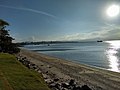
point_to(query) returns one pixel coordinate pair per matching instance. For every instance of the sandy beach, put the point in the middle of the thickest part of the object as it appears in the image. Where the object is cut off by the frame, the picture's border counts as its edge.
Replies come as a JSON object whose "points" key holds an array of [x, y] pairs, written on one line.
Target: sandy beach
{"points": [[95, 78]]}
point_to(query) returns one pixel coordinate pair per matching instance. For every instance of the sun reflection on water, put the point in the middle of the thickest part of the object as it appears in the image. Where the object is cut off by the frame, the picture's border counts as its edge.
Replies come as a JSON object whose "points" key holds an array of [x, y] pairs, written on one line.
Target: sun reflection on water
{"points": [[111, 53]]}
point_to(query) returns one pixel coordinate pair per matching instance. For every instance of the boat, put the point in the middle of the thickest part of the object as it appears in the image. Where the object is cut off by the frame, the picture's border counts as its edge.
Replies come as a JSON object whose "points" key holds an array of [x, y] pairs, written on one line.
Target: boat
{"points": [[99, 41]]}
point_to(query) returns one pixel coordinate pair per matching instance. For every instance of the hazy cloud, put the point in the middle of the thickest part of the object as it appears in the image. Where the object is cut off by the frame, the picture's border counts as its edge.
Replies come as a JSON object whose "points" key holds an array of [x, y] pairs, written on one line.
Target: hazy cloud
{"points": [[104, 33], [30, 10]]}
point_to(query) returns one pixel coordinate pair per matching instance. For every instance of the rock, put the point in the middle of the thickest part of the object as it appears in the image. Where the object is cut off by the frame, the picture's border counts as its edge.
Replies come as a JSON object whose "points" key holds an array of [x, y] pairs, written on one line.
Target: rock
{"points": [[56, 79], [21, 61], [39, 71], [85, 87], [41, 65], [45, 76], [26, 62], [58, 86], [76, 88], [23, 58], [32, 64], [47, 72], [49, 81], [53, 82], [65, 89], [72, 82], [65, 85], [48, 66], [52, 85], [35, 67]]}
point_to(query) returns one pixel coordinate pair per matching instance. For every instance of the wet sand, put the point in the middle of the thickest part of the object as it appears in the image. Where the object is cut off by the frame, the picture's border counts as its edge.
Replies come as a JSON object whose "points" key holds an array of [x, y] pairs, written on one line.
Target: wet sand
{"points": [[95, 78]]}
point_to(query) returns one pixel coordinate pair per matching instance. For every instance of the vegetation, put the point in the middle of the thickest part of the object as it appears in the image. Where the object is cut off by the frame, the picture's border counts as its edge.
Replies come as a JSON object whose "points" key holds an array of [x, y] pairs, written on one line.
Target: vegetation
{"points": [[14, 76], [6, 44], [45, 42]]}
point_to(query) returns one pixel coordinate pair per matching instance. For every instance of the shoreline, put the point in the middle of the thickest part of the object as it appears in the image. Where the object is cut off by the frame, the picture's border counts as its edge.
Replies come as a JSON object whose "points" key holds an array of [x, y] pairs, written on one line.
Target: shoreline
{"points": [[95, 78], [76, 62], [92, 66]]}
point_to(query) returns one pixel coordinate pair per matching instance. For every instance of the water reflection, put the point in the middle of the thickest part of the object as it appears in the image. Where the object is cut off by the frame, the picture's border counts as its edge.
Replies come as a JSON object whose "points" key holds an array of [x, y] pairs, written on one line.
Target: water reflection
{"points": [[111, 53]]}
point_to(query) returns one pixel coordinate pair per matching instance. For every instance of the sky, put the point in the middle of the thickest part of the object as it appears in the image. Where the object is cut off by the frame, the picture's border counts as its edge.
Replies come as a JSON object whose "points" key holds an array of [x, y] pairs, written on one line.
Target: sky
{"points": [[69, 20]]}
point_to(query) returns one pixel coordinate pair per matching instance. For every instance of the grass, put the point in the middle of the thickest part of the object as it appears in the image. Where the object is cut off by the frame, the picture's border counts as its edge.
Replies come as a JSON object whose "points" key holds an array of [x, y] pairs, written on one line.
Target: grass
{"points": [[15, 76]]}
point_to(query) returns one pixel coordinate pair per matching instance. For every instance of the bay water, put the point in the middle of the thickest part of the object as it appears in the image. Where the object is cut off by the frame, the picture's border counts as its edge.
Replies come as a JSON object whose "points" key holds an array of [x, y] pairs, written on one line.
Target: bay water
{"points": [[105, 54]]}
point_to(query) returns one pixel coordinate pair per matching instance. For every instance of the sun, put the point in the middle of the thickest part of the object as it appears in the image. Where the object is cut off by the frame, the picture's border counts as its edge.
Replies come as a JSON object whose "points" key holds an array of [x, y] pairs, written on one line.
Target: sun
{"points": [[113, 10]]}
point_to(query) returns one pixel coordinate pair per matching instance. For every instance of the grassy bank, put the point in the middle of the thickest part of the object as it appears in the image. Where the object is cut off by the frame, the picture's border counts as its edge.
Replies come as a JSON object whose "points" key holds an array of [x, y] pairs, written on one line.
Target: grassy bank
{"points": [[15, 76]]}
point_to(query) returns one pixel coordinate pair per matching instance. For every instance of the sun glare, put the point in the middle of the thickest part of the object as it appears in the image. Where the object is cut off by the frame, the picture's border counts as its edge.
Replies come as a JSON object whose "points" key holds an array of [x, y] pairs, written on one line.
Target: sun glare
{"points": [[113, 10], [111, 53]]}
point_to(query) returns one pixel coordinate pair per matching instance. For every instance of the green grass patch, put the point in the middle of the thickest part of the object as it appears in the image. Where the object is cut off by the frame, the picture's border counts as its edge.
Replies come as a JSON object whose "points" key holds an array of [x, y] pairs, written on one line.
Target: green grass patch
{"points": [[17, 76]]}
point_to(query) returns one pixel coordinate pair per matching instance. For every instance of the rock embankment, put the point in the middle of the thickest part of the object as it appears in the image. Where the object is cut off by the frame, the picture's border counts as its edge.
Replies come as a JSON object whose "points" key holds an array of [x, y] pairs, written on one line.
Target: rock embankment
{"points": [[54, 83]]}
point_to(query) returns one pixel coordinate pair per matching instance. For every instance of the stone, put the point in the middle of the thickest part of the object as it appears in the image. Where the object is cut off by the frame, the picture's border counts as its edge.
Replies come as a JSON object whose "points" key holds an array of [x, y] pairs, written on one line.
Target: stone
{"points": [[48, 66], [58, 86], [49, 81], [77, 88], [72, 82], [47, 72], [65, 85], [41, 65], [65, 89], [52, 85], [85, 87], [39, 71], [56, 79], [45, 76]]}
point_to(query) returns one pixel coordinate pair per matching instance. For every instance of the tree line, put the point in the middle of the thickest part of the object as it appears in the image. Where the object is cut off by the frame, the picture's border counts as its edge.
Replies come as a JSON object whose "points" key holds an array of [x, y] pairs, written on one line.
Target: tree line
{"points": [[6, 44]]}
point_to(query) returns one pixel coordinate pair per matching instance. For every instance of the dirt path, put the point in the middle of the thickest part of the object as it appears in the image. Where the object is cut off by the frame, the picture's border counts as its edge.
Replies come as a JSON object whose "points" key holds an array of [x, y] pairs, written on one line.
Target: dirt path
{"points": [[96, 79]]}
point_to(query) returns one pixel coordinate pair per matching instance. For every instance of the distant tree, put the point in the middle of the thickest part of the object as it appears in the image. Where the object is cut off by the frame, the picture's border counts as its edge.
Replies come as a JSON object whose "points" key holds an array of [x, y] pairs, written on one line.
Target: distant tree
{"points": [[6, 44]]}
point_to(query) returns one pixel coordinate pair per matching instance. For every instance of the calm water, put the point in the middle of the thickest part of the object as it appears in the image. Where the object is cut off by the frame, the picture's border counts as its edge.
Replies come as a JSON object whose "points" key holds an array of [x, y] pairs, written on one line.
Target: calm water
{"points": [[101, 54]]}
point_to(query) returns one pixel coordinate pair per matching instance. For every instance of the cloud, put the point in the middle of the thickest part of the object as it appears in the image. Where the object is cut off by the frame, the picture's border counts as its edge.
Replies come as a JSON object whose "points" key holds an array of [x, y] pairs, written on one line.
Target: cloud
{"points": [[30, 10], [109, 32], [29, 39]]}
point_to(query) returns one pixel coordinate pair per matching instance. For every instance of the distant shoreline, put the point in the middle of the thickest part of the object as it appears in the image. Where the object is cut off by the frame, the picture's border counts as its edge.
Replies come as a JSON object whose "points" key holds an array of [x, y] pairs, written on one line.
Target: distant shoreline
{"points": [[95, 78]]}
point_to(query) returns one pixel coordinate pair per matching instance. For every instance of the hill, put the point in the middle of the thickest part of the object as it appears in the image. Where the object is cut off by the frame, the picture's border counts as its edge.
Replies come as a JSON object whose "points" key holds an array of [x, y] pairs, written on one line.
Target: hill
{"points": [[15, 76]]}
